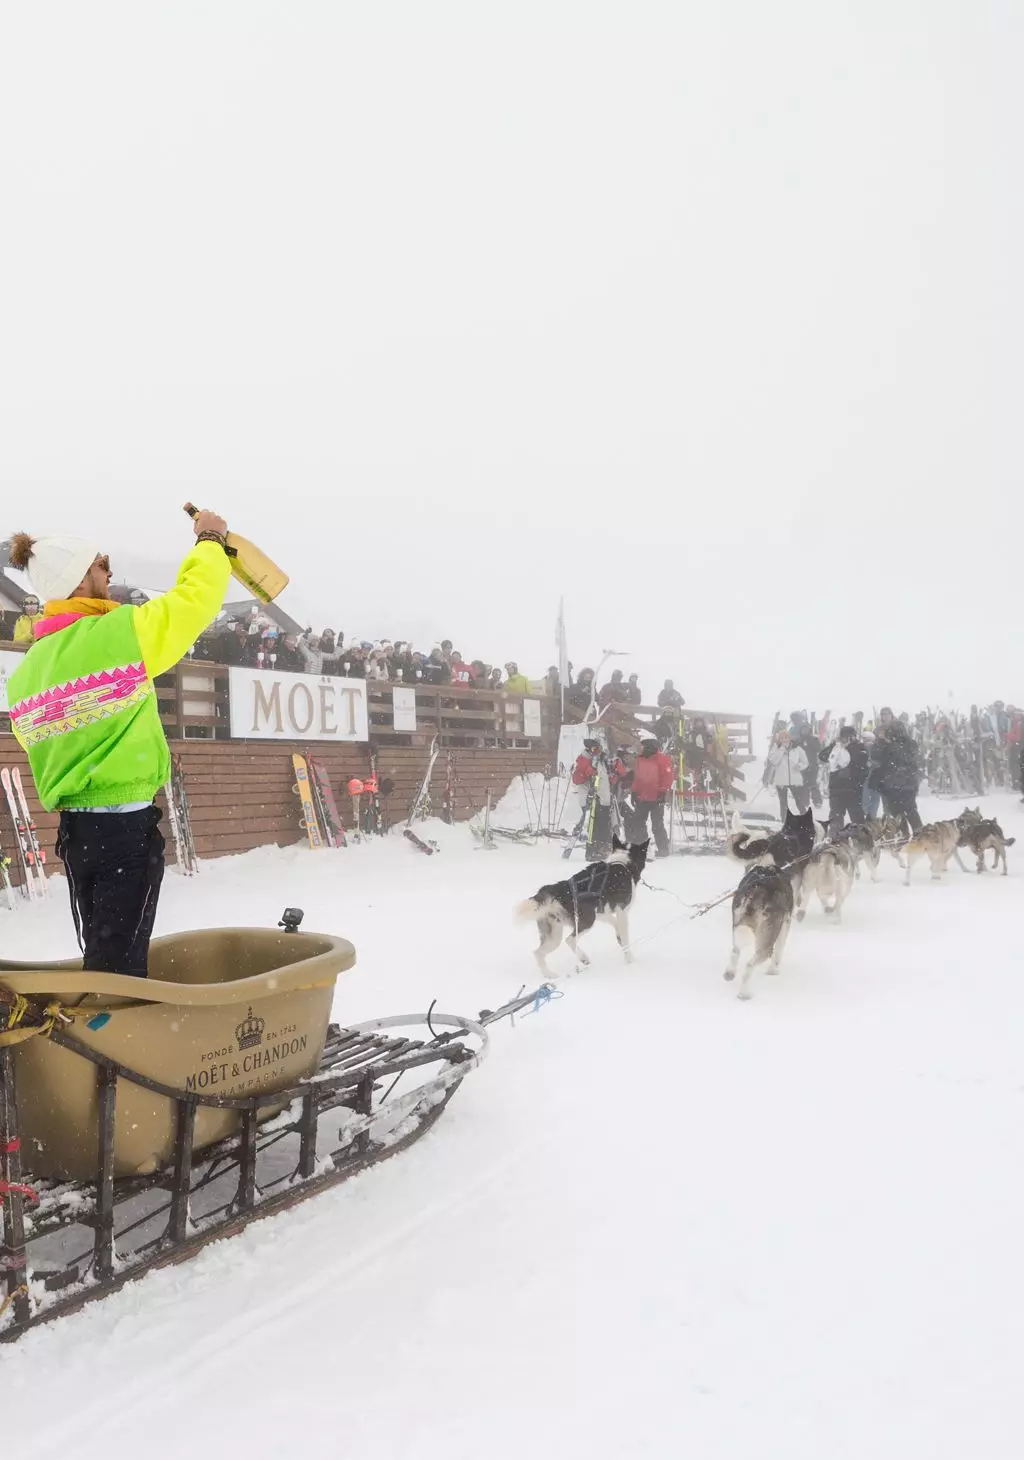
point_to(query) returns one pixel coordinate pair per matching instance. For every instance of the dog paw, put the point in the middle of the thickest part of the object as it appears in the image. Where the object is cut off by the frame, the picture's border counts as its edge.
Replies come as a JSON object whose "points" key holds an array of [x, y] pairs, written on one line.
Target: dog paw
{"points": [[730, 974], [744, 994]]}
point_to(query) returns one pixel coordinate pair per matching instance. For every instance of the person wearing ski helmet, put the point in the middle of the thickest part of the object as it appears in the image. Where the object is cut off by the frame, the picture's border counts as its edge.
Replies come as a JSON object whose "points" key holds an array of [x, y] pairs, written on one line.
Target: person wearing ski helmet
{"points": [[653, 778], [597, 777], [84, 708]]}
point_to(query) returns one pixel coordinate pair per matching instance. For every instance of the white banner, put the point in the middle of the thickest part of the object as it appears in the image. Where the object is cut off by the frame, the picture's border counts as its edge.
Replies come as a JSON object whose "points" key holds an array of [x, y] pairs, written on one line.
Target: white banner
{"points": [[266, 705], [9, 662], [531, 719], [404, 709]]}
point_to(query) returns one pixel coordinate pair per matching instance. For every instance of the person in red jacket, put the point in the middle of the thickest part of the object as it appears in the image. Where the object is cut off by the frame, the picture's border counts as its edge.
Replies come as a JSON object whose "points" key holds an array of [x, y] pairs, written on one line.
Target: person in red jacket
{"points": [[653, 777], [597, 776]]}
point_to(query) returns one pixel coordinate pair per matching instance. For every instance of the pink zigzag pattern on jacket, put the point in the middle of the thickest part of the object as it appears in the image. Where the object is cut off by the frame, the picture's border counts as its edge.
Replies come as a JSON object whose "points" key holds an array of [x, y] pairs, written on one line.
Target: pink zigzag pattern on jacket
{"points": [[101, 692]]}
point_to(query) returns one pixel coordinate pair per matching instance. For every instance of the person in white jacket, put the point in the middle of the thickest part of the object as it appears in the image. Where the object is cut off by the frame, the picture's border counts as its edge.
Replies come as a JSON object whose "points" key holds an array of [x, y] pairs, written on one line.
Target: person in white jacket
{"points": [[787, 770]]}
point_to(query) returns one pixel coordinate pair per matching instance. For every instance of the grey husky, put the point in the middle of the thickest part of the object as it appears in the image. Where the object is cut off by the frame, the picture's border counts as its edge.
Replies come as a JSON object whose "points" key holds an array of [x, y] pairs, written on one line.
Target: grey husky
{"points": [[829, 871], [982, 836], [762, 911]]}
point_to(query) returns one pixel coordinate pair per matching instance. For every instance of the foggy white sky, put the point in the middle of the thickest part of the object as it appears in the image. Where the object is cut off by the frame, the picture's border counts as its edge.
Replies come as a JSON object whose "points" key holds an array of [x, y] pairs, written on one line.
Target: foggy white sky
{"points": [[707, 316]]}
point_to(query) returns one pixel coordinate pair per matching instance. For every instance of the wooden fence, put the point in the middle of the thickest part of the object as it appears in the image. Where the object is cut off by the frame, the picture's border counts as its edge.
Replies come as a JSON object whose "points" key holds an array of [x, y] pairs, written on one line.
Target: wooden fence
{"points": [[194, 705], [241, 792]]}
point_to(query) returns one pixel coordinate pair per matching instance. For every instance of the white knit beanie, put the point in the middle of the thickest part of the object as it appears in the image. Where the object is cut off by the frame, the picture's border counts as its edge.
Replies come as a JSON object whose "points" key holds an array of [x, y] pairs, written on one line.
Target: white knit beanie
{"points": [[58, 564]]}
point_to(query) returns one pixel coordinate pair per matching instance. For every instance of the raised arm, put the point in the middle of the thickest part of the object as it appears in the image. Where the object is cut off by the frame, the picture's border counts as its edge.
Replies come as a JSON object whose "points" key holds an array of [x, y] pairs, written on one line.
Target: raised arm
{"points": [[168, 626]]}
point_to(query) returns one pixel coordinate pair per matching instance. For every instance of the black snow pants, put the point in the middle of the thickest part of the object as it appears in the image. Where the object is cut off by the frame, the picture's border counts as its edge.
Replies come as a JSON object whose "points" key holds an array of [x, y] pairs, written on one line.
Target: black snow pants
{"points": [[902, 805], [114, 862], [843, 802], [636, 824]]}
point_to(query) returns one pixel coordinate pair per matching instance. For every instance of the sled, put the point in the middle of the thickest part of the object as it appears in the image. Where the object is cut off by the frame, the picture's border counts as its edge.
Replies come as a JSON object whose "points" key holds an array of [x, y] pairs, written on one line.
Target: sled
{"points": [[143, 1118]]}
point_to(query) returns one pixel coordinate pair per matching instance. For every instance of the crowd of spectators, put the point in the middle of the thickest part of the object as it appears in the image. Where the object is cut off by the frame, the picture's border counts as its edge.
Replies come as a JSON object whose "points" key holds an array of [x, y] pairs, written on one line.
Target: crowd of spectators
{"points": [[258, 644], [881, 762]]}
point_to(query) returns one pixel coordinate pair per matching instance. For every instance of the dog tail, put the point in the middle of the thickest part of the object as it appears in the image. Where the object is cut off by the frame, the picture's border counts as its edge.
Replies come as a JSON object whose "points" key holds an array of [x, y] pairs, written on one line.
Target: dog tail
{"points": [[742, 848], [526, 911], [1009, 841]]}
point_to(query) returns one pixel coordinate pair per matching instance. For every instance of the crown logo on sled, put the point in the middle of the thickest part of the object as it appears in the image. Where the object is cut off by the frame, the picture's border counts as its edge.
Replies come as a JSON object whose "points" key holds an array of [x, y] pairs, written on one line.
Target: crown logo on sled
{"points": [[250, 1031]]}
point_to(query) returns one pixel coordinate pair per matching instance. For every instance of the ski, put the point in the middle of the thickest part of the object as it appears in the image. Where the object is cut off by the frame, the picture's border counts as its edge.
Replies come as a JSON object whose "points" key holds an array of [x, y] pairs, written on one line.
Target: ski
{"points": [[420, 844], [38, 854], [420, 808], [180, 821], [355, 791], [371, 787], [172, 817], [326, 830], [184, 815], [582, 825], [28, 884], [379, 789], [322, 784], [308, 820], [179, 817], [448, 811]]}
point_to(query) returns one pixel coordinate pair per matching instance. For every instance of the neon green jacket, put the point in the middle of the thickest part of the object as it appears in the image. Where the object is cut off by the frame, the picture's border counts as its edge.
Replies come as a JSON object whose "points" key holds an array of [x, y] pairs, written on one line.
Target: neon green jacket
{"points": [[517, 684], [83, 703]]}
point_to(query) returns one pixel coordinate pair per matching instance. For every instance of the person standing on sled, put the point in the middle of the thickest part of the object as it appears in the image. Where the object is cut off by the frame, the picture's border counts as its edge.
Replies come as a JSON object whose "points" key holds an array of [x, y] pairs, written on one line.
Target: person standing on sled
{"points": [[653, 778], [84, 708]]}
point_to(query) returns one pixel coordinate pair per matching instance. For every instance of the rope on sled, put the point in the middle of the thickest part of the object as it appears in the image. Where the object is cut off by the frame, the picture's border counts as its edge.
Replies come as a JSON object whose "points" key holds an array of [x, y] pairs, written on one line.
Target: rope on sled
{"points": [[48, 1015], [5, 1303], [544, 995]]}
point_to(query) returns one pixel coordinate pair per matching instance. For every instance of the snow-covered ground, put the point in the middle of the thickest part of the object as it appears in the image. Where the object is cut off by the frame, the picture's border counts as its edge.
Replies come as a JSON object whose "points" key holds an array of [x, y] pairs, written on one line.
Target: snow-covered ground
{"points": [[657, 1222]]}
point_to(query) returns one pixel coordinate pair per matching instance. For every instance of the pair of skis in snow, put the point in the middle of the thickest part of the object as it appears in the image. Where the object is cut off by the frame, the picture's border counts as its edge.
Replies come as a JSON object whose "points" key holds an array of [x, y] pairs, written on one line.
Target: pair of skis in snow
{"points": [[319, 818], [420, 807], [31, 855], [179, 816]]}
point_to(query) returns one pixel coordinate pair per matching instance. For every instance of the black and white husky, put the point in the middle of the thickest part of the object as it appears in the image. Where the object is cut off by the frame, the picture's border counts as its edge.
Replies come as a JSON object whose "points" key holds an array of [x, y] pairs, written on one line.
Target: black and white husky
{"points": [[762, 911], [772, 849], [603, 890]]}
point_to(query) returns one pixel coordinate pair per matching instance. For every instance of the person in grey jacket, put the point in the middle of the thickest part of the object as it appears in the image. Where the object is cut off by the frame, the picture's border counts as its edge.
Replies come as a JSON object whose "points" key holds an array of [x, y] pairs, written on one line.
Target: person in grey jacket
{"points": [[314, 657], [787, 769]]}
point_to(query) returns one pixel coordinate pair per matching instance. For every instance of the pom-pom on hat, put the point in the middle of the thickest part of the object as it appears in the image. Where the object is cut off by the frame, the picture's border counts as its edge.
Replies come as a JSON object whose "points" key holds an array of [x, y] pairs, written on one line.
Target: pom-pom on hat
{"points": [[55, 565]]}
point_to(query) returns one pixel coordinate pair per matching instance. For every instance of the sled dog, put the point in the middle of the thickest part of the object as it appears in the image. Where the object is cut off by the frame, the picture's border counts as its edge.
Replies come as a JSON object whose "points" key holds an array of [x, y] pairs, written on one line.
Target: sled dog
{"points": [[859, 840], [938, 842], [604, 891], [889, 832], [829, 871], [778, 849], [980, 836], [762, 911]]}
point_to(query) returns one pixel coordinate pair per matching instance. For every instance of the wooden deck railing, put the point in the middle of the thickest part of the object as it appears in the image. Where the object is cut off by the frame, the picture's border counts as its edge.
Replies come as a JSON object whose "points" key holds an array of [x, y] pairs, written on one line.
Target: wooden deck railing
{"points": [[194, 705]]}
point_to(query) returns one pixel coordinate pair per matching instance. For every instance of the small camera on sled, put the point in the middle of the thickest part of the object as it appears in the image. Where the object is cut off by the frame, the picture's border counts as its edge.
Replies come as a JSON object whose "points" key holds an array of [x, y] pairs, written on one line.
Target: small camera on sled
{"points": [[291, 919]]}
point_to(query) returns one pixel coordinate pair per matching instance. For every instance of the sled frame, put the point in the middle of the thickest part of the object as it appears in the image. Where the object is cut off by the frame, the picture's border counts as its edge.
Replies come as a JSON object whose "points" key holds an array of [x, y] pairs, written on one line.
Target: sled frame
{"points": [[355, 1064]]}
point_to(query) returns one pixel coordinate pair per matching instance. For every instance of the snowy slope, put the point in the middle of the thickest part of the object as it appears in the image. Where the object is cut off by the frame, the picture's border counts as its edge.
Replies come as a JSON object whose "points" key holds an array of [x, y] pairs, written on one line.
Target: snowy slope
{"points": [[657, 1222]]}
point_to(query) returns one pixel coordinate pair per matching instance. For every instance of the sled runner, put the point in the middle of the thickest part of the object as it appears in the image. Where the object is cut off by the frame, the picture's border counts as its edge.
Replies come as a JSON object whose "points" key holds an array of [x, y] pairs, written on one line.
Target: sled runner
{"points": [[142, 1118]]}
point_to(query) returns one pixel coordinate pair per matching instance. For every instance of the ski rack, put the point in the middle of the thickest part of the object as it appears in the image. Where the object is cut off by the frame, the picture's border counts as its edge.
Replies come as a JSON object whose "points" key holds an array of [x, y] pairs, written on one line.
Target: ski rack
{"points": [[699, 816], [50, 1267]]}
